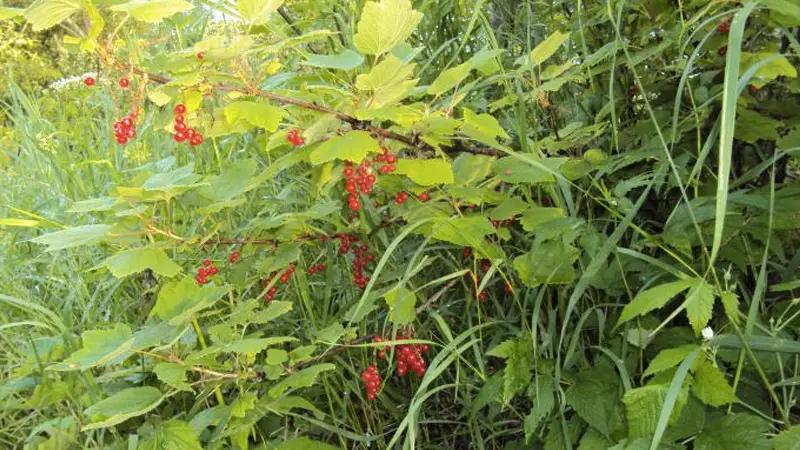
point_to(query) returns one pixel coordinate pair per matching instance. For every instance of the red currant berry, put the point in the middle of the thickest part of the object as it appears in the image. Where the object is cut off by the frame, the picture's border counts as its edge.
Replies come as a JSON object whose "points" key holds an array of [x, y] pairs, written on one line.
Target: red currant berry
{"points": [[179, 137], [424, 197], [180, 119], [753, 89], [234, 257], [122, 139], [181, 127], [127, 122], [213, 270], [124, 82], [89, 81], [180, 108], [206, 262], [196, 140], [130, 133], [201, 55], [722, 50]]}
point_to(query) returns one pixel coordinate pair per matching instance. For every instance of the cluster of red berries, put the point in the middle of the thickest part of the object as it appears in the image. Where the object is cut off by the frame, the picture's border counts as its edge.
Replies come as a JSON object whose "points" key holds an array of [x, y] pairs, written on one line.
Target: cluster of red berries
{"points": [[125, 129], [358, 179], [89, 81], [409, 358], [182, 130], [360, 261], [401, 198], [294, 138], [316, 268], [372, 381], [284, 278], [505, 223], [234, 257], [208, 269], [388, 159]]}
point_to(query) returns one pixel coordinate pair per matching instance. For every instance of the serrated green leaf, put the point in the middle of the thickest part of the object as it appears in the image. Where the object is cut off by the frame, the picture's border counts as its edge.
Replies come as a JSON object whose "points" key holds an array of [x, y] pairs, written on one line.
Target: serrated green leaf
{"points": [[544, 50], [331, 334], [699, 305], [549, 262], [135, 260], [44, 14], [752, 126], [345, 60], [178, 301], [734, 432], [74, 237], [99, 347], [463, 231], [277, 356], [233, 181], [483, 128], [257, 114], [669, 358], [470, 169], [172, 374], [450, 78], [389, 82], [284, 256], [508, 209], [153, 11], [401, 303], [273, 311], [385, 24], [643, 407], [518, 354], [543, 398], [253, 346], [353, 146], [301, 378], [654, 298], [122, 406], [92, 205], [172, 435], [534, 217], [595, 396], [789, 439], [711, 387], [486, 61], [426, 172], [258, 11]]}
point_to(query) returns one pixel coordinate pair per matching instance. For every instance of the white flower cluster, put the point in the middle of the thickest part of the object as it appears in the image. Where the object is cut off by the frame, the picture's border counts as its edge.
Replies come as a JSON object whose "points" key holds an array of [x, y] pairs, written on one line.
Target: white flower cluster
{"points": [[68, 81]]}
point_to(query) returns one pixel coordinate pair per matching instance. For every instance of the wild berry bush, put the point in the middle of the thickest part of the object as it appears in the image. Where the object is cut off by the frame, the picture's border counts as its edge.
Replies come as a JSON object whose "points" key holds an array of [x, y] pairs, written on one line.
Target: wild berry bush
{"points": [[261, 224]]}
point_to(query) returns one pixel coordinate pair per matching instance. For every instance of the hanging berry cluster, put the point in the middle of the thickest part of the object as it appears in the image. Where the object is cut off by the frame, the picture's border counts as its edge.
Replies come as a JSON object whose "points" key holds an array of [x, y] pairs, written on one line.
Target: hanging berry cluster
{"points": [[361, 258], [183, 132], [316, 268], [388, 160], [361, 178], [401, 198], [409, 357], [283, 279], [208, 269], [125, 129], [372, 381], [294, 138]]}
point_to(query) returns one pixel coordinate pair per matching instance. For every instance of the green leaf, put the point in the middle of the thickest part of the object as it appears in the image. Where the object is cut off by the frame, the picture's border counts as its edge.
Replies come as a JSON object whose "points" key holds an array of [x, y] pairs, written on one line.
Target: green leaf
{"points": [[734, 432], [512, 170], [470, 169], [73, 237], [543, 398], [550, 262], [252, 346], [172, 435], [401, 303], [44, 14], [643, 407], [426, 172], [172, 374], [483, 128], [284, 256], [257, 11], [122, 406], [99, 347], [534, 217], [389, 82], [789, 439], [385, 24], [730, 303], [257, 114], [331, 334], [486, 61], [153, 11], [544, 50], [508, 209], [517, 373], [179, 301], [450, 78], [752, 126], [711, 387], [273, 311], [233, 181], [353, 146], [463, 231], [777, 66], [135, 260], [699, 305], [595, 396], [301, 378], [669, 358], [346, 60], [243, 403], [654, 298], [92, 205], [9, 13], [304, 443]]}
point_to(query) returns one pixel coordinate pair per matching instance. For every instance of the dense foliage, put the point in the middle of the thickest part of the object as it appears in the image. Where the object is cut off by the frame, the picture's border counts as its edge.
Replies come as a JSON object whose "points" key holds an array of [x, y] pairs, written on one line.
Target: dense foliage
{"points": [[440, 224]]}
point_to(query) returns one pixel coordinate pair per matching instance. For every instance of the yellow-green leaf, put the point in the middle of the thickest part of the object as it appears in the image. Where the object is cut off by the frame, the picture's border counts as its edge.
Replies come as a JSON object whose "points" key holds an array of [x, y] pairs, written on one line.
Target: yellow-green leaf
{"points": [[122, 406], [654, 298], [257, 114], [353, 146], [44, 14], [711, 387], [426, 172], [385, 24], [257, 11], [544, 50], [135, 260], [450, 78], [401, 303], [153, 11]]}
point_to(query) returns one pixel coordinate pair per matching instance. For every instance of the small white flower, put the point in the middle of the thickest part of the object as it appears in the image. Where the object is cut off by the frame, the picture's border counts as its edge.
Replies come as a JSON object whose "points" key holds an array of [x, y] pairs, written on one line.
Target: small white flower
{"points": [[708, 333]]}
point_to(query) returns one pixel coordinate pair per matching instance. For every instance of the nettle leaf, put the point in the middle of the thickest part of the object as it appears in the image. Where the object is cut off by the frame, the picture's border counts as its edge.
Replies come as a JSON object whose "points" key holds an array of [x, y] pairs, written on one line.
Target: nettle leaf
{"points": [[135, 260], [471, 169], [544, 50], [401, 303], [233, 181], [353, 146], [710, 385], [122, 406], [301, 378], [734, 432], [385, 24], [44, 14], [257, 114], [483, 128], [74, 237], [258, 11], [426, 172], [304, 443], [178, 301], [699, 305], [346, 60], [595, 396], [669, 358], [174, 434], [463, 231], [99, 347], [535, 217], [654, 298], [153, 11], [389, 82], [450, 78]]}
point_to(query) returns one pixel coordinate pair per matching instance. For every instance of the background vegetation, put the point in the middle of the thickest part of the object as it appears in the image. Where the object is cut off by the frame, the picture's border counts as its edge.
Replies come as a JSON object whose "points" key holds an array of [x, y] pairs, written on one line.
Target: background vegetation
{"points": [[597, 248]]}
